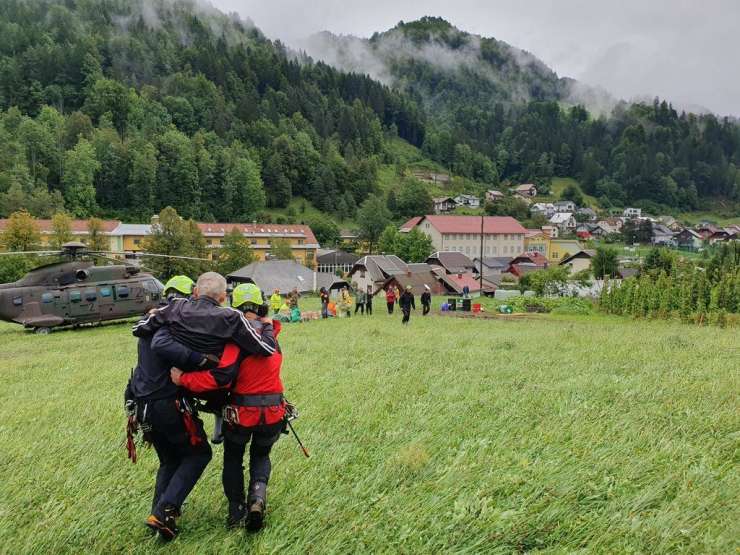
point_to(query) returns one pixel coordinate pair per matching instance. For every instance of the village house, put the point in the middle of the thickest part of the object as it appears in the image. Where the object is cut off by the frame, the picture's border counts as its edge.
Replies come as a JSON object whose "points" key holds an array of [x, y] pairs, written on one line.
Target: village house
{"points": [[551, 231], [523, 198], [276, 274], [131, 238], [374, 270], [492, 195], [469, 201], [719, 236], [442, 205], [526, 190], [562, 248], [579, 261], [452, 262], [335, 260], [493, 266], [689, 239], [588, 213], [564, 206], [632, 213], [546, 209], [526, 263], [456, 284], [611, 225], [502, 235], [662, 235], [537, 240], [564, 221]]}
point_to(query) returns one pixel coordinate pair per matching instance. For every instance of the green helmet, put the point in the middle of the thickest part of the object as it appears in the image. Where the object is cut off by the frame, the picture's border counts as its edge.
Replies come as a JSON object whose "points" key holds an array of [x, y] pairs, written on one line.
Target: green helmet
{"points": [[179, 284], [246, 293]]}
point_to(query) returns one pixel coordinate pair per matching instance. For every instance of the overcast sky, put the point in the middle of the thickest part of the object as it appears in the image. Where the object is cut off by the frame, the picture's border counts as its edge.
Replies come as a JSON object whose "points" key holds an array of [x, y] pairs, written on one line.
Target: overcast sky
{"points": [[684, 50]]}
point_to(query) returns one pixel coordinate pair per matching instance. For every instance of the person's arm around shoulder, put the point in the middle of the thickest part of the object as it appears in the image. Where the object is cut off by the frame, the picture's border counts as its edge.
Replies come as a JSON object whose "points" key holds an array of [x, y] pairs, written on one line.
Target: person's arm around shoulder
{"points": [[167, 347], [220, 377], [243, 334]]}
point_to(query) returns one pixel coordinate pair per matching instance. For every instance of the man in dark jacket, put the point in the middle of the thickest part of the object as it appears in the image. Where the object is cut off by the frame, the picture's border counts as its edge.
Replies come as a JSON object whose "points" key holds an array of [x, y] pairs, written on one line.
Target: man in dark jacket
{"points": [[203, 325], [406, 302], [426, 301]]}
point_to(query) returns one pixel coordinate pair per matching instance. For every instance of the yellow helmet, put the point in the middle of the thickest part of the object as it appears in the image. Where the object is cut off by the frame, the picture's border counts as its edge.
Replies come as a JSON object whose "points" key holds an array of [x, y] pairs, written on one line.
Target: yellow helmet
{"points": [[180, 284], [246, 293]]}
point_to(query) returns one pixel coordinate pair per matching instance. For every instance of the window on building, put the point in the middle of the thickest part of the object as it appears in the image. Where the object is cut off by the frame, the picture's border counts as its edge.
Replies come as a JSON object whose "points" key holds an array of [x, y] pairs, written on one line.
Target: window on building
{"points": [[209, 242], [493, 251], [467, 250], [137, 241]]}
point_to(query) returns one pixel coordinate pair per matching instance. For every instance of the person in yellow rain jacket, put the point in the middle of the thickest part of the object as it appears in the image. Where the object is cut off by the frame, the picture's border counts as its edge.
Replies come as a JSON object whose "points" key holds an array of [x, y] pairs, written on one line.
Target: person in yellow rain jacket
{"points": [[276, 301]]}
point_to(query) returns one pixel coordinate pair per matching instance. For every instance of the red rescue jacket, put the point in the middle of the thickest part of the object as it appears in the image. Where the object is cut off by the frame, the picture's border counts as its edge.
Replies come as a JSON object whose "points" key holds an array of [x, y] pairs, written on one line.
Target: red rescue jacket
{"points": [[244, 375]]}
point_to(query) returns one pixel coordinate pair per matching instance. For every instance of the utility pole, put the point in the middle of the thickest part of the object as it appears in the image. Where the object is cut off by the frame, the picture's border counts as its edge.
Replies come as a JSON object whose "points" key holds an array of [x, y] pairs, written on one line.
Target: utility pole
{"points": [[480, 274]]}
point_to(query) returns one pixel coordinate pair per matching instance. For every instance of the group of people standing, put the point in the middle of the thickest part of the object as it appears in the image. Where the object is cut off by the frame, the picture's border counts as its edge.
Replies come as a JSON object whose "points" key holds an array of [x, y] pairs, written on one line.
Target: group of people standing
{"points": [[406, 301]]}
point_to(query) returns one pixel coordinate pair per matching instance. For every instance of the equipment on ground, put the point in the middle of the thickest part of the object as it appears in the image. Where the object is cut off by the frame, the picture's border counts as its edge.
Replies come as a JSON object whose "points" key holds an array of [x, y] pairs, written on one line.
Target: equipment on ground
{"points": [[76, 291]]}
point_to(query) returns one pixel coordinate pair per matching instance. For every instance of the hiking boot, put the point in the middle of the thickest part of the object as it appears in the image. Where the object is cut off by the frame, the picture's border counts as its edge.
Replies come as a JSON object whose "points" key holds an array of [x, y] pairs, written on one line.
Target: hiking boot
{"points": [[237, 512], [256, 506], [165, 524]]}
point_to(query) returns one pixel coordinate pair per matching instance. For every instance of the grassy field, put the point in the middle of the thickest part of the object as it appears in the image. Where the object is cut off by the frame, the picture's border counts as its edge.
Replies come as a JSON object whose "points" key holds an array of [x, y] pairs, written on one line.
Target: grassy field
{"points": [[553, 434]]}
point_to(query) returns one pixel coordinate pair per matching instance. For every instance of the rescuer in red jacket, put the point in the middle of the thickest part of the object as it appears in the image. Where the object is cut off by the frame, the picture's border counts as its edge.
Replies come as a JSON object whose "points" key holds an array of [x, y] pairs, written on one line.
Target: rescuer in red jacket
{"points": [[255, 411]]}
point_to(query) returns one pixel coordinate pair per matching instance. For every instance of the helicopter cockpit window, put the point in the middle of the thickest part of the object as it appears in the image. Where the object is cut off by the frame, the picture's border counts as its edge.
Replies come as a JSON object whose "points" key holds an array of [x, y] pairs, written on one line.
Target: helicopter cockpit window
{"points": [[152, 289], [105, 292], [122, 291], [75, 296], [17, 301], [47, 298], [90, 295]]}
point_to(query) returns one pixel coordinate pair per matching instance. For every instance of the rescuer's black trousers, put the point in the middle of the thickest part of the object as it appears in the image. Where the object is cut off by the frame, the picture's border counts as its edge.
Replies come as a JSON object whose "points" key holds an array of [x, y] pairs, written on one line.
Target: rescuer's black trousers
{"points": [[425, 309], [390, 307], [360, 307], [235, 444], [406, 315], [180, 462], [368, 308]]}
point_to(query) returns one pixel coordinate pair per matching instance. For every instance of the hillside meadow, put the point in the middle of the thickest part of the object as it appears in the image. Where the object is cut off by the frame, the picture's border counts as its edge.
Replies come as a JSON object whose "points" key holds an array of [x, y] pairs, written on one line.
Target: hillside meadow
{"points": [[554, 434]]}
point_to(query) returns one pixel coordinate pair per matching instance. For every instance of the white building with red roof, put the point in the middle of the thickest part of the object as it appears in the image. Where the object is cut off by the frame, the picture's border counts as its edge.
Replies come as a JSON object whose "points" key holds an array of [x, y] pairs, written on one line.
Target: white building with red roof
{"points": [[502, 235]]}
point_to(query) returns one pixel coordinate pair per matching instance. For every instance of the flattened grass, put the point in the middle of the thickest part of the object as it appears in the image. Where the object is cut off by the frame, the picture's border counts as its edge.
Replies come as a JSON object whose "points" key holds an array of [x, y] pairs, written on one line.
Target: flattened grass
{"points": [[557, 434]]}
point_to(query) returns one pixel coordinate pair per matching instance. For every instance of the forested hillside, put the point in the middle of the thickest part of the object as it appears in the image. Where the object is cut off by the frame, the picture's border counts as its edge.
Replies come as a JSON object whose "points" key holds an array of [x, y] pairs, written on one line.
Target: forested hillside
{"points": [[121, 107], [497, 112]]}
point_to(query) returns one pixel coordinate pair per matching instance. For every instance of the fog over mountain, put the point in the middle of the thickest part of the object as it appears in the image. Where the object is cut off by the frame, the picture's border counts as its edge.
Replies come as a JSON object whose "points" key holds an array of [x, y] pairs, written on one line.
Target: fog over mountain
{"points": [[680, 50]]}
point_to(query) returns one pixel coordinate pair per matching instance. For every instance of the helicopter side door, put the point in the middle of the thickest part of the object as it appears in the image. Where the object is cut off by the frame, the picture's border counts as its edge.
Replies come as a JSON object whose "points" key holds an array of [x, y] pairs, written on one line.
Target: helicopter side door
{"points": [[83, 303], [106, 304]]}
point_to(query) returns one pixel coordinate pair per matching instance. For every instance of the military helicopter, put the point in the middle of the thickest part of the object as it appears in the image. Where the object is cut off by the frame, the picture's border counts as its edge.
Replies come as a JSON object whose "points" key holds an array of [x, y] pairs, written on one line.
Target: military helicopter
{"points": [[78, 292]]}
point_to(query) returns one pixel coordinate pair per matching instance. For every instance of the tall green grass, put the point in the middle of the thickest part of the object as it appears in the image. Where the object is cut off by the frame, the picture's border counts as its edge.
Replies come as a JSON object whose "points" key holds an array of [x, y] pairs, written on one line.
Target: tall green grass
{"points": [[554, 434]]}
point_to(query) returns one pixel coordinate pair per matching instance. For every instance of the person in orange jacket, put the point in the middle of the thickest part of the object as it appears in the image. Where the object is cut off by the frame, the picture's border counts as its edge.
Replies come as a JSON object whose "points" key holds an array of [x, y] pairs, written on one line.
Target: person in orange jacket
{"points": [[255, 413]]}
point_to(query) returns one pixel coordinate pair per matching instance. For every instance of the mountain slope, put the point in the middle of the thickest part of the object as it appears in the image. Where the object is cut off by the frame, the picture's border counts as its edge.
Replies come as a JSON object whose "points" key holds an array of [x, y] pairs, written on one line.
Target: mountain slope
{"points": [[445, 66], [498, 113], [125, 106]]}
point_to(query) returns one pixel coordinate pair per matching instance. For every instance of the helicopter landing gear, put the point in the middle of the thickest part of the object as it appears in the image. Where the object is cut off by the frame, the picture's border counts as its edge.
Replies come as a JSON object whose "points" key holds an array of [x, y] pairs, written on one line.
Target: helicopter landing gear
{"points": [[42, 331]]}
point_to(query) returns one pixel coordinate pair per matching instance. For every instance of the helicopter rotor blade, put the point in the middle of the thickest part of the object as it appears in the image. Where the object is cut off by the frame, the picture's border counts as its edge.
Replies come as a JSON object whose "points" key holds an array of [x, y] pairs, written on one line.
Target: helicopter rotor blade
{"points": [[31, 252], [140, 254]]}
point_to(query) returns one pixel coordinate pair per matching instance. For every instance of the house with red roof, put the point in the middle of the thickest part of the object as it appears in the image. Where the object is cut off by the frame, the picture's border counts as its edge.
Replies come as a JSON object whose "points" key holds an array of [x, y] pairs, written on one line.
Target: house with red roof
{"points": [[502, 235]]}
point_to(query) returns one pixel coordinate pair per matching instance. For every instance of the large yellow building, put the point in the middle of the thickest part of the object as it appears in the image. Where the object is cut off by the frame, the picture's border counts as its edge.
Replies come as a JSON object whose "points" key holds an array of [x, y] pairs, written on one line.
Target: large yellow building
{"points": [[131, 237]]}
